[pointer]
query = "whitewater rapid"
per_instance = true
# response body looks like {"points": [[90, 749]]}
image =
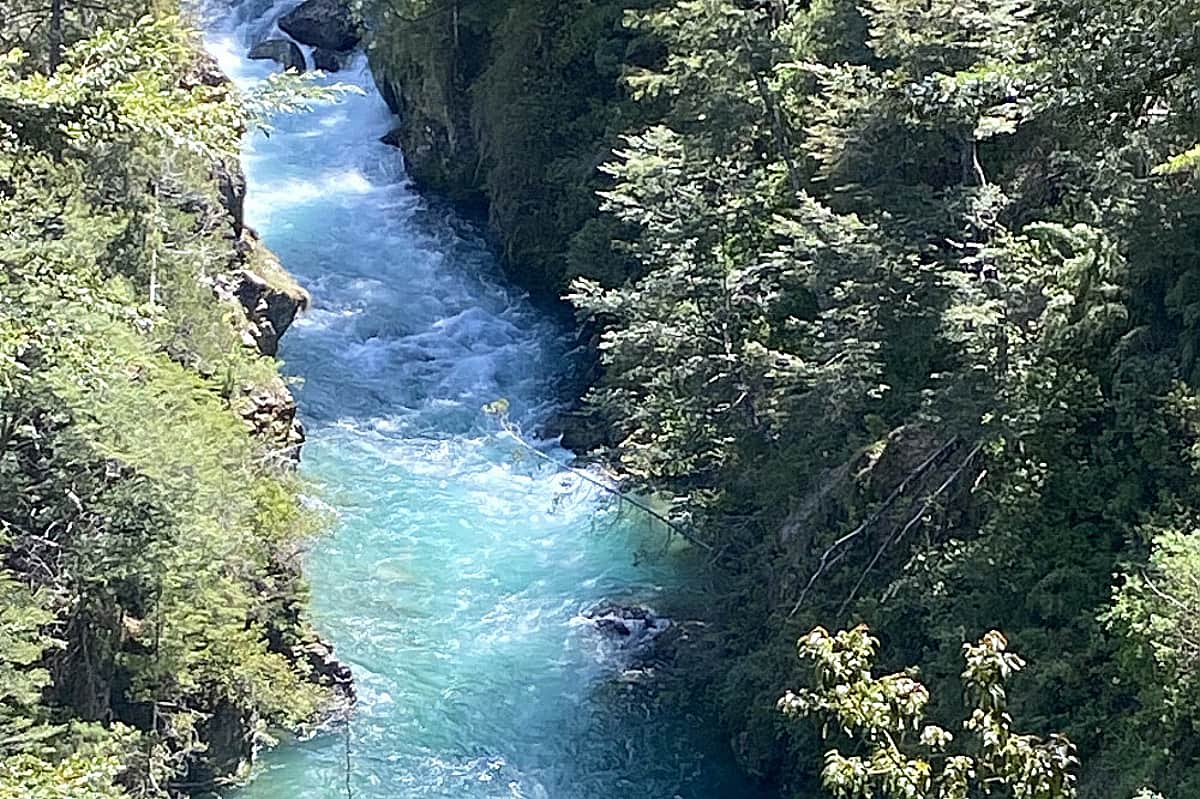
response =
{"points": [[458, 566]]}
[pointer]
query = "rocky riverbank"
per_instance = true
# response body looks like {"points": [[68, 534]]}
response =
{"points": [[511, 112], [265, 300]]}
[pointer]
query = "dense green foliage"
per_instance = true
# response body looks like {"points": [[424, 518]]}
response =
{"points": [[898, 307], [898, 304], [147, 540], [913, 337]]}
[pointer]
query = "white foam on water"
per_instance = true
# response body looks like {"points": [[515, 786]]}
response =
{"points": [[458, 561]]}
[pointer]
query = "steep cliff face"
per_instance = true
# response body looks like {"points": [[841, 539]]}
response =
{"points": [[268, 300], [512, 108], [431, 97], [152, 599]]}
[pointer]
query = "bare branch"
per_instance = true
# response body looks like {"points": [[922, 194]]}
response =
{"points": [[920, 514], [874, 517], [582, 474]]}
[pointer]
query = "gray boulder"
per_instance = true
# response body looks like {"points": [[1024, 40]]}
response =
{"points": [[394, 137], [280, 51], [231, 188], [270, 297], [329, 60], [321, 23], [270, 308]]}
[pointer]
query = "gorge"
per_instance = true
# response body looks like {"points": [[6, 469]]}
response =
{"points": [[459, 566], [883, 315]]}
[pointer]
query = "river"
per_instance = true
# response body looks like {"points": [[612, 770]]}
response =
{"points": [[458, 567]]}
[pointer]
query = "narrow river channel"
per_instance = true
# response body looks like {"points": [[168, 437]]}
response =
{"points": [[458, 567]]}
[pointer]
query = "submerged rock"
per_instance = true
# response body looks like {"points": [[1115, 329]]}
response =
{"points": [[329, 60], [321, 23], [281, 51], [630, 625]]}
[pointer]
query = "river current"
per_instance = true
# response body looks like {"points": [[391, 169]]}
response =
{"points": [[458, 566]]}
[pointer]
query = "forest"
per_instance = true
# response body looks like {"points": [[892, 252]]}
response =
{"points": [[151, 621], [893, 304]]}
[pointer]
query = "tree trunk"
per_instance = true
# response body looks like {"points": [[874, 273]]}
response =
{"points": [[972, 170], [56, 35], [775, 120]]}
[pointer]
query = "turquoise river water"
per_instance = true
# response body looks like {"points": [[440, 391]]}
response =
{"points": [[456, 572]]}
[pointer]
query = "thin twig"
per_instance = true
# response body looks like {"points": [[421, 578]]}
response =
{"points": [[1193, 645], [582, 474], [1165, 597], [911, 523]]}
